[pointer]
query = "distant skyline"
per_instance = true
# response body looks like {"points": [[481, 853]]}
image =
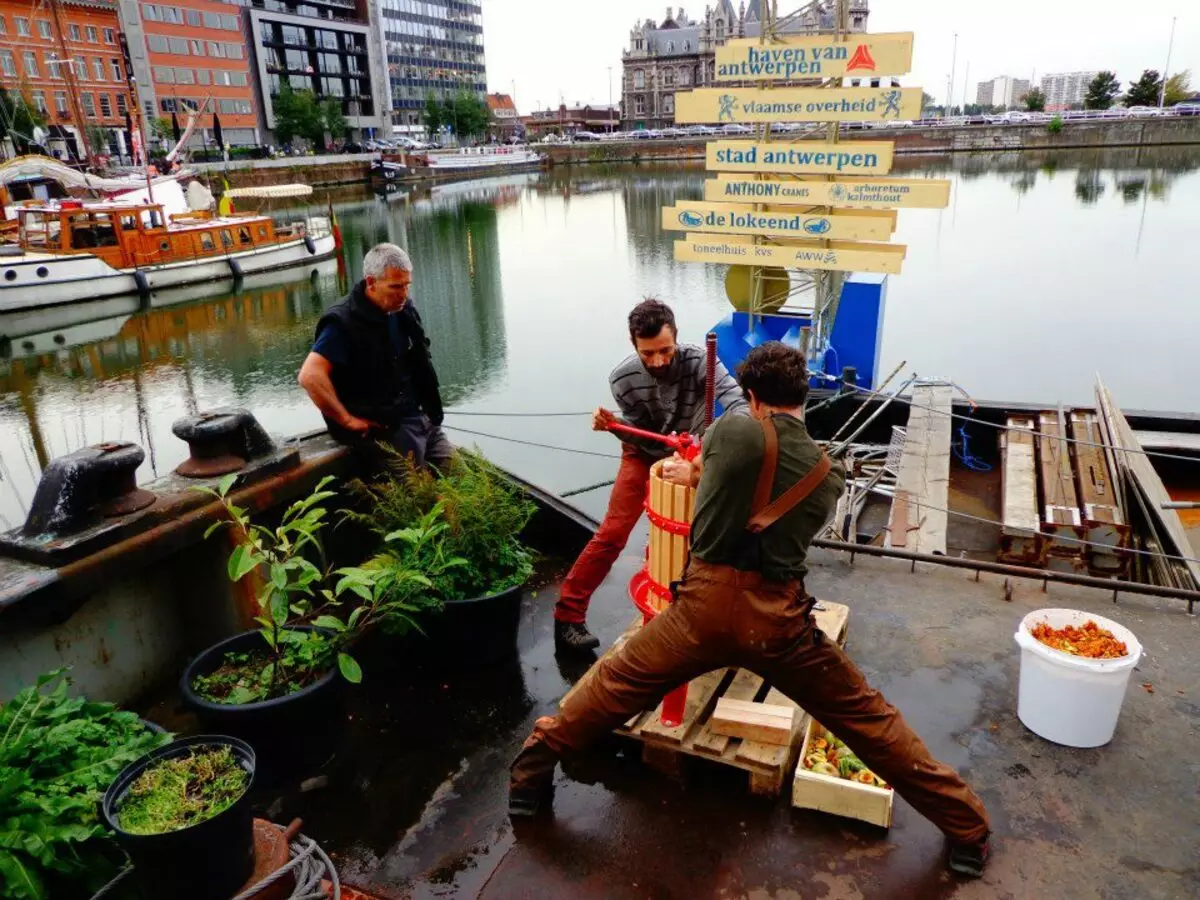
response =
{"points": [[546, 51]]}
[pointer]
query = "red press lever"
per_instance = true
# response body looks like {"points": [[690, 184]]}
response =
{"points": [[683, 444]]}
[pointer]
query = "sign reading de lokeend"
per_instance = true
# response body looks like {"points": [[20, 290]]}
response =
{"points": [[815, 56], [841, 256], [729, 218], [849, 193], [801, 158], [721, 105]]}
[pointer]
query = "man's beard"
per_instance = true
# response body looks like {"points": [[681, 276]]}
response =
{"points": [[658, 372]]}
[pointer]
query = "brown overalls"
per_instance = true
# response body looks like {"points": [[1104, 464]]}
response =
{"points": [[722, 617]]}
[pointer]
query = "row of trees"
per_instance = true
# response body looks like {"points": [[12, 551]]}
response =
{"points": [[1104, 90], [299, 114], [465, 114]]}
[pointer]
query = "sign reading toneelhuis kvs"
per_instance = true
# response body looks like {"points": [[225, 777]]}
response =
{"points": [[848, 193], [734, 105], [841, 256], [815, 56], [802, 157], [730, 218]]}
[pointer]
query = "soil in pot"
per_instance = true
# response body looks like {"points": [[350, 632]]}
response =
{"points": [[183, 791], [238, 680]]}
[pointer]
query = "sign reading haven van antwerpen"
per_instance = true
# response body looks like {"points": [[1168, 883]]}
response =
{"points": [[729, 218], [849, 193], [840, 256], [815, 56], [734, 105], [802, 157]]}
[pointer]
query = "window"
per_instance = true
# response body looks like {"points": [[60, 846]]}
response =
{"points": [[685, 75], [105, 106], [122, 107], [178, 45], [238, 79], [639, 105], [80, 67], [3, 25], [93, 36], [60, 102], [206, 242], [31, 66], [98, 68], [639, 79], [237, 107], [203, 76], [687, 46], [89, 105], [230, 23], [164, 75], [53, 67], [668, 105], [7, 64], [216, 50], [156, 43], [185, 76], [44, 29], [197, 48], [670, 46], [110, 36], [226, 238], [22, 27], [244, 235], [73, 33], [668, 77], [233, 51], [194, 18], [39, 100], [212, 20], [118, 75]]}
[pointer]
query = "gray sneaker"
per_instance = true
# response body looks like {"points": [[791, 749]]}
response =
{"points": [[573, 637]]}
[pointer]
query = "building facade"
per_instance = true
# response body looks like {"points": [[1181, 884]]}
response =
{"points": [[64, 62], [430, 47], [1066, 90], [568, 120], [1002, 91], [504, 122], [678, 53]]}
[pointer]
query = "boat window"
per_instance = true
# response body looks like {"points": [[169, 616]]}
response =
{"points": [[226, 238], [244, 235], [129, 222], [262, 231], [207, 244], [89, 230], [41, 231]]}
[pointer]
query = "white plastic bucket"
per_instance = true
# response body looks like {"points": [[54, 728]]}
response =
{"points": [[1068, 699]]}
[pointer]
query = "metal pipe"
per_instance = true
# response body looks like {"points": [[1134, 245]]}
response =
{"points": [[979, 565], [854, 415], [710, 378], [840, 448]]}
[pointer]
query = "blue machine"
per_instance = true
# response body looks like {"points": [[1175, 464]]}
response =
{"points": [[855, 339]]}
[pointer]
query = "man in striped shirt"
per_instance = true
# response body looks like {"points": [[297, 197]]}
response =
{"points": [[659, 388]]}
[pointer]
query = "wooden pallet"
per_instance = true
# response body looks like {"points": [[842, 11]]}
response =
{"points": [[769, 765]]}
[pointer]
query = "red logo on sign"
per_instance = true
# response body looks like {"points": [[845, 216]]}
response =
{"points": [[861, 59]]}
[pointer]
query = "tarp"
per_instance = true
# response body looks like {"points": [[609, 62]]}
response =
{"points": [[271, 192], [35, 166]]}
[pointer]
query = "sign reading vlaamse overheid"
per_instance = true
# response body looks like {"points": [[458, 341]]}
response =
{"points": [[850, 193], [841, 256], [815, 56], [802, 157], [733, 105], [729, 218]]}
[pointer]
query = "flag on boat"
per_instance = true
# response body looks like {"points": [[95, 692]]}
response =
{"points": [[225, 205], [334, 227], [218, 136]]}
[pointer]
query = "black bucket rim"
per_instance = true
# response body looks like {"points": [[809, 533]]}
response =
{"points": [[195, 700], [120, 785], [467, 601]]}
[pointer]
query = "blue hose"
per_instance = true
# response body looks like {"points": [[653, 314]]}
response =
{"points": [[963, 452]]}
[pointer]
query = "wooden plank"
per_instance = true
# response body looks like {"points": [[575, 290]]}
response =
{"points": [[1103, 522], [1018, 478], [701, 106], [701, 698], [924, 474], [838, 795], [1169, 441], [897, 529], [742, 218], [1060, 503], [772, 756], [745, 686], [763, 722], [814, 56], [843, 193], [656, 535], [833, 619], [834, 256]]}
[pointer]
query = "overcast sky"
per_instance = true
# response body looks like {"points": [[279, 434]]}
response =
{"points": [[551, 48]]}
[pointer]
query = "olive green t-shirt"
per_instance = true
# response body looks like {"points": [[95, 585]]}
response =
{"points": [[732, 454]]}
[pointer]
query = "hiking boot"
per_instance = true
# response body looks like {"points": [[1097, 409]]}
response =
{"points": [[573, 637], [969, 859], [527, 802]]}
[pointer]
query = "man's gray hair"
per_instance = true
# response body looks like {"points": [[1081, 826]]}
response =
{"points": [[383, 257]]}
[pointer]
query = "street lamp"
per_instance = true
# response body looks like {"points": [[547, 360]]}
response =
{"points": [[610, 106], [1162, 91]]}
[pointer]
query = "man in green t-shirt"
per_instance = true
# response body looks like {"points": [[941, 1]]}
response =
{"points": [[764, 490]]}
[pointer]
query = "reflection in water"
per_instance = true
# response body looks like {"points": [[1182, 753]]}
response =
{"points": [[1021, 290]]}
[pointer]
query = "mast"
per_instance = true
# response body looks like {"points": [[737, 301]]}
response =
{"points": [[68, 74], [136, 116]]}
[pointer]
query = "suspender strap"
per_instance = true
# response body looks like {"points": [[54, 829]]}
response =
{"points": [[764, 515]]}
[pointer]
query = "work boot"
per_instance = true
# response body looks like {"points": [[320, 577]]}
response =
{"points": [[573, 637], [531, 785], [969, 859]]}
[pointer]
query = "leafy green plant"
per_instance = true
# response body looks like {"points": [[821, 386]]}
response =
{"points": [[483, 514], [58, 754], [294, 593], [182, 791], [1056, 125]]}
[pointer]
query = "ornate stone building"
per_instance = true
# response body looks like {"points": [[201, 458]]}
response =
{"points": [[678, 53]]}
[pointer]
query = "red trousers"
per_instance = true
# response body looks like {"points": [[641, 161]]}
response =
{"points": [[726, 617], [625, 506]]}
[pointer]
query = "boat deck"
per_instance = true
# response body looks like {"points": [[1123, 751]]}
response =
{"points": [[414, 806]]}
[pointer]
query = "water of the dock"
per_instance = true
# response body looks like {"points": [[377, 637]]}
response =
{"points": [[415, 805]]}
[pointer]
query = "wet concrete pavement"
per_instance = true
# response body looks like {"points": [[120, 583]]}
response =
{"points": [[415, 806]]}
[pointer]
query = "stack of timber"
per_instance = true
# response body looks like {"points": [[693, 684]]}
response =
{"points": [[1061, 520], [917, 521], [1145, 495], [1104, 525], [1021, 541], [703, 734]]}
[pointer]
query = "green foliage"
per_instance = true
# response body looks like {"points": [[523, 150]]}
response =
{"points": [[1102, 91], [1178, 89], [1035, 100], [431, 116], [301, 114], [58, 754], [1144, 91], [1056, 125], [160, 127], [19, 117], [476, 515], [468, 114], [183, 791], [331, 115]]}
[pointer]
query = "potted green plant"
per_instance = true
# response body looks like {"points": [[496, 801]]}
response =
{"points": [[182, 813], [480, 516], [279, 687]]}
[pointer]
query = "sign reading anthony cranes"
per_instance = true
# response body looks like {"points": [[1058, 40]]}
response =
{"points": [[704, 105], [803, 157], [729, 218], [815, 56], [850, 193], [841, 256]]}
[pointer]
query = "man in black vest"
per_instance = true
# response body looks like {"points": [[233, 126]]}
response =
{"points": [[370, 372]]}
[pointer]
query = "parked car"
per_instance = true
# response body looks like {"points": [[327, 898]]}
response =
{"points": [[673, 133], [585, 136], [1144, 112], [352, 147], [1186, 109], [736, 129]]}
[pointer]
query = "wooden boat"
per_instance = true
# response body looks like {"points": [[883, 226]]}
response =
{"points": [[70, 251]]}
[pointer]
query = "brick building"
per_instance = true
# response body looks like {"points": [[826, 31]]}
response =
{"points": [[503, 120], [566, 120], [63, 60]]}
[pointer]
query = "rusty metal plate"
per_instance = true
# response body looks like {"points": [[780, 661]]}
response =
{"points": [[222, 464]]}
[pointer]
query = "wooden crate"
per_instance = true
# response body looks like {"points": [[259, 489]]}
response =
{"points": [[768, 765], [839, 796]]}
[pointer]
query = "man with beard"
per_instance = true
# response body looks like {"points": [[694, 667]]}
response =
{"points": [[659, 388]]}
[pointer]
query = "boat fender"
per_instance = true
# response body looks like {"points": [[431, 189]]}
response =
{"points": [[312, 247], [142, 282], [236, 268]]}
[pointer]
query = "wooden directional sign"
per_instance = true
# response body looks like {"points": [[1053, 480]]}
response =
{"points": [[815, 56], [721, 105], [801, 157], [841, 256], [851, 193], [730, 218]]}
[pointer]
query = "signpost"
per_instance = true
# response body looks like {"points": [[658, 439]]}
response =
{"points": [[850, 193], [838, 256], [804, 104], [815, 56], [802, 157], [729, 218]]}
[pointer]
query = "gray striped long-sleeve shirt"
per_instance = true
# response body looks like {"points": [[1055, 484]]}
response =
{"points": [[674, 402]]}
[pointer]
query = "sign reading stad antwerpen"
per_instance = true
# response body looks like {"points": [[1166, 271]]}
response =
{"points": [[815, 56], [840, 256], [721, 105], [729, 218], [801, 158], [849, 193]]}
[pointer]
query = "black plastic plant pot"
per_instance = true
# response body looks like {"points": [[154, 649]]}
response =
{"points": [[293, 735], [481, 631], [206, 861]]}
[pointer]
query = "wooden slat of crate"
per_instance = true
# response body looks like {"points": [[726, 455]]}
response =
{"points": [[838, 795], [918, 517], [1020, 534]]}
